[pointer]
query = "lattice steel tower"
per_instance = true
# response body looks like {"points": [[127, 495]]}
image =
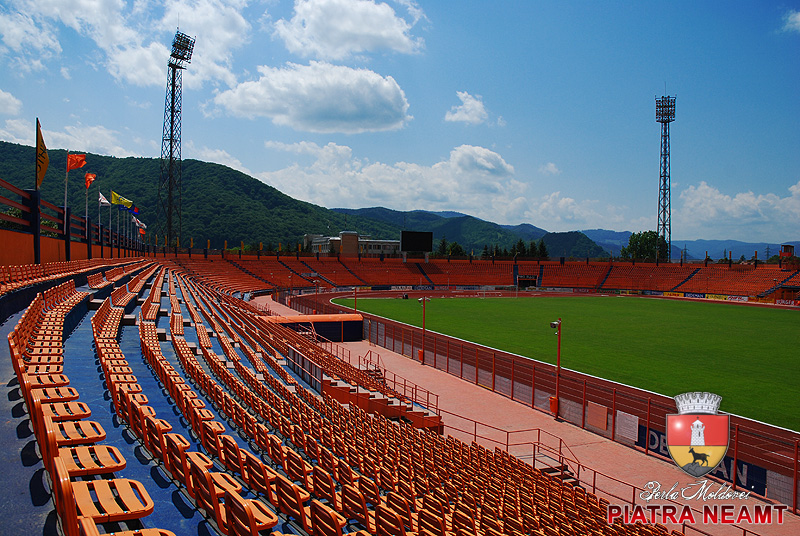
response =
{"points": [[169, 187], [665, 114]]}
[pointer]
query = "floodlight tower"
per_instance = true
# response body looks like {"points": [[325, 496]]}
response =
{"points": [[665, 114], [169, 187]]}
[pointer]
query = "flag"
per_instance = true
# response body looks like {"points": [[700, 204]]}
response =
{"points": [[75, 161], [103, 201], [136, 210], [141, 232], [89, 177], [42, 160], [119, 200]]}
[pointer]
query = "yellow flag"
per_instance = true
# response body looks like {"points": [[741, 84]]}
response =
{"points": [[42, 160], [119, 200]]}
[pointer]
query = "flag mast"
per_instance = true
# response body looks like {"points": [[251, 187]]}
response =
{"points": [[66, 178]]}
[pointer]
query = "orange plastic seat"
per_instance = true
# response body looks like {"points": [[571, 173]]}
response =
{"points": [[298, 469], [431, 523], [175, 456], [87, 527], [354, 505], [154, 431], [81, 460], [400, 505], [68, 433], [259, 477], [388, 522], [325, 521], [48, 394], [61, 411], [119, 499], [247, 517], [324, 487], [291, 501], [198, 467]]}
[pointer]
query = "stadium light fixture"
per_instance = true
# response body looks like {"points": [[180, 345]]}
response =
{"points": [[554, 403]]}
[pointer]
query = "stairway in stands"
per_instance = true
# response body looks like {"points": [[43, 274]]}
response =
{"points": [[685, 280]]}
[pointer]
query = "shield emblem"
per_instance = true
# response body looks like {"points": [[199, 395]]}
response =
{"points": [[697, 442]]}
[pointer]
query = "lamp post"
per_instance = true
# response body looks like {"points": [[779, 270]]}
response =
{"points": [[422, 352], [316, 295], [554, 401], [355, 298]]}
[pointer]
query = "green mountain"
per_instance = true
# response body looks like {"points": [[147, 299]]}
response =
{"points": [[473, 233], [220, 203]]}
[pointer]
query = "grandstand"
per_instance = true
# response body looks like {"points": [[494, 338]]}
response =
{"points": [[192, 414]]}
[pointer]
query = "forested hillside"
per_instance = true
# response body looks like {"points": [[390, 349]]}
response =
{"points": [[220, 203]]}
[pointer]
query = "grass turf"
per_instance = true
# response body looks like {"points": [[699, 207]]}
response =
{"points": [[748, 355]]}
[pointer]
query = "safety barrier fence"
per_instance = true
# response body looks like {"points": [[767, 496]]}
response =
{"points": [[765, 457], [24, 212]]}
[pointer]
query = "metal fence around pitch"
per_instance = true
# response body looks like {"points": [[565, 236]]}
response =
{"points": [[766, 457]]}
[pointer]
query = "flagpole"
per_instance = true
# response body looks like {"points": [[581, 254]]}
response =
{"points": [[66, 178]]}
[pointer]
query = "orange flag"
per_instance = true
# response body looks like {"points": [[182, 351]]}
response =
{"points": [[90, 177], [42, 160], [75, 161]]}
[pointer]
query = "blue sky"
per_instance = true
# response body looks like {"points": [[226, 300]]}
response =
{"points": [[537, 112]]}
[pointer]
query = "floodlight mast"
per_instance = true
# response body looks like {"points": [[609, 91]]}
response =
{"points": [[169, 187], [665, 114]]}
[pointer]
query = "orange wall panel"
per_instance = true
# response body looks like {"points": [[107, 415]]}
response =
{"points": [[15, 248]]}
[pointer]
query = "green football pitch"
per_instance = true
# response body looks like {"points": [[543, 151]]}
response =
{"points": [[748, 355]]}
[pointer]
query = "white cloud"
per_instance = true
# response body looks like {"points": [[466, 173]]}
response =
{"points": [[549, 169], [19, 131], [320, 97], [135, 40], [471, 109], [338, 29], [769, 216], [791, 21], [336, 178], [31, 41], [474, 180], [139, 65], [9, 104], [218, 156], [220, 27], [89, 138]]}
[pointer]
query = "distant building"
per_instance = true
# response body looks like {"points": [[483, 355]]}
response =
{"points": [[350, 244]]}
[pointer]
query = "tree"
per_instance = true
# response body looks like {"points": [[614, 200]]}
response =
{"points": [[456, 250], [521, 248], [485, 254], [643, 246], [442, 249], [541, 250]]}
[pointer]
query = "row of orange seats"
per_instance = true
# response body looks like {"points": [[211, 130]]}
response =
{"points": [[69, 444]]}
